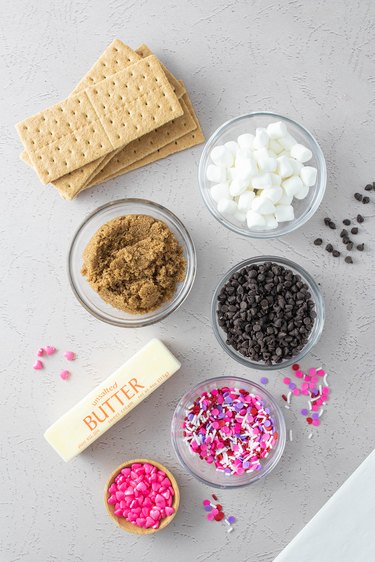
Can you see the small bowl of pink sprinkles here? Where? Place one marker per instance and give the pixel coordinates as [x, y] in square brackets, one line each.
[228, 432]
[142, 496]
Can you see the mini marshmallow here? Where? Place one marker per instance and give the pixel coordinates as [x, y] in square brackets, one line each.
[302, 192]
[221, 156]
[308, 175]
[245, 169]
[216, 174]
[238, 186]
[264, 161]
[287, 141]
[231, 173]
[271, 222]
[276, 179]
[254, 219]
[284, 213]
[296, 165]
[242, 155]
[226, 207]
[245, 200]
[261, 138]
[275, 146]
[261, 182]
[273, 193]
[246, 140]
[277, 130]
[292, 185]
[301, 153]
[240, 216]
[262, 205]
[220, 191]
[284, 166]
[285, 199]
[232, 146]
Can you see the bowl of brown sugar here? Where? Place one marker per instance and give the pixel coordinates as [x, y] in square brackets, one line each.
[131, 263]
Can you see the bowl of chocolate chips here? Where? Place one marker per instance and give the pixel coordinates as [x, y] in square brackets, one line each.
[267, 312]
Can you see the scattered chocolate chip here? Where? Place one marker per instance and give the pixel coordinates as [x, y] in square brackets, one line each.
[368, 187]
[346, 222]
[267, 312]
[329, 248]
[354, 230]
[327, 220]
[336, 253]
[348, 259]
[349, 246]
[366, 200]
[358, 196]
[343, 233]
[332, 225]
[360, 219]
[346, 240]
[318, 242]
[361, 247]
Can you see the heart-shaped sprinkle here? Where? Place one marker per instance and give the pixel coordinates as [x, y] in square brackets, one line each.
[70, 355]
[40, 352]
[169, 511]
[38, 365]
[50, 350]
[64, 375]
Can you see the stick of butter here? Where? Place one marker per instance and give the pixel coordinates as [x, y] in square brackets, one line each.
[112, 400]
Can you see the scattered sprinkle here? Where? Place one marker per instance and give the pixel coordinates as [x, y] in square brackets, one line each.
[70, 355]
[290, 435]
[64, 375]
[309, 436]
[50, 350]
[230, 530]
[264, 380]
[38, 365]
[40, 352]
[231, 519]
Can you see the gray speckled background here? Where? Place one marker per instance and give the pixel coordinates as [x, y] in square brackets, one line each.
[312, 60]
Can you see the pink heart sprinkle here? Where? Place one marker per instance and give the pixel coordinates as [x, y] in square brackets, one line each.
[169, 511]
[64, 375]
[40, 352]
[38, 365]
[70, 355]
[50, 350]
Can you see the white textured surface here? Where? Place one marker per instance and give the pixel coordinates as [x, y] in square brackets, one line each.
[313, 61]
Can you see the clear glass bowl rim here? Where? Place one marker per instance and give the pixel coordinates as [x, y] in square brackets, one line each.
[220, 380]
[319, 306]
[188, 282]
[293, 225]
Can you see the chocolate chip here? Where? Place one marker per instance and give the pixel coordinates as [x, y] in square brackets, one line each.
[346, 240]
[346, 222]
[354, 230]
[327, 220]
[332, 225]
[368, 187]
[360, 219]
[343, 233]
[336, 253]
[358, 196]
[349, 246]
[348, 259]
[329, 248]
[366, 200]
[318, 242]
[361, 247]
[273, 314]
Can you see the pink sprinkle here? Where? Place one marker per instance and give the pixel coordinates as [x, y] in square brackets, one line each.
[296, 392]
[299, 374]
[321, 372]
[316, 422]
[70, 355]
[40, 352]
[307, 378]
[38, 365]
[312, 371]
[286, 380]
[50, 350]
[64, 375]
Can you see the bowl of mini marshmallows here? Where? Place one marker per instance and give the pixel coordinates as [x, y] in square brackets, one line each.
[262, 175]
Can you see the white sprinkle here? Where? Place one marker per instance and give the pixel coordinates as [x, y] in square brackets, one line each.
[230, 530]
[321, 412]
[309, 403]
[287, 407]
[227, 522]
[309, 436]
[288, 397]
[290, 435]
[325, 380]
[320, 389]
[316, 398]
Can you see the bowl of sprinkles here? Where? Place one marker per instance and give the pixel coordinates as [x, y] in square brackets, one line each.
[228, 432]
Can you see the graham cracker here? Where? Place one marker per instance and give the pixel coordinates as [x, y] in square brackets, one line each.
[115, 57]
[102, 118]
[186, 141]
[147, 144]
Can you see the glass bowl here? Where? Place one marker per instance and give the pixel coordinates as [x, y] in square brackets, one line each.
[314, 334]
[303, 209]
[207, 473]
[90, 299]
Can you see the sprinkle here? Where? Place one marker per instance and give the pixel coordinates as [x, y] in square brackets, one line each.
[304, 411]
[206, 502]
[287, 407]
[289, 397]
[295, 367]
[207, 508]
[296, 392]
[214, 496]
[321, 412]
[292, 386]
[290, 435]
[70, 355]
[38, 365]
[230, 530]
[264, 380]
[231, 519]
[286, 380]
[50, 350]
[309, 420]
[316, 422]
[325, 380]
[284, 397]
[40, 352]
[299, 374]
[309, 436]
[64, 375]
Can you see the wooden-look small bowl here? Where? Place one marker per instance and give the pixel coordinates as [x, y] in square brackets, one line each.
[127, 525]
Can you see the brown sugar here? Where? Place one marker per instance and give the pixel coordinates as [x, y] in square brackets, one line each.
[134, 263]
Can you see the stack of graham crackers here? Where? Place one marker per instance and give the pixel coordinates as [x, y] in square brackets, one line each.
[128, 111]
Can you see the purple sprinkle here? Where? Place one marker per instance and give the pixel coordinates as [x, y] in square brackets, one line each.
[227, 470]
[292, 386]
[267, 423]
[228, 399]
[231, 519]
[315, 416]
[267, 410]
[208, 508]
[264, 380]
[304, 411]
[246, 465]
